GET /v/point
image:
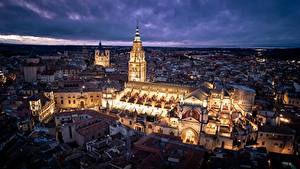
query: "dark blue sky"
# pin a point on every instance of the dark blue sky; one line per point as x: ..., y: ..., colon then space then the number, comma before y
x: 162, y: 22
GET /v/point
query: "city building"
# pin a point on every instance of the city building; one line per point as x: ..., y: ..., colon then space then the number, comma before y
x: 195, y: 114
x: 159, y: 151
x: 31, y: 68
x: 277, y: 139
x: 42, y: 106
x: 102, y: 57
x: 82, y: 126
x: 291, y: 98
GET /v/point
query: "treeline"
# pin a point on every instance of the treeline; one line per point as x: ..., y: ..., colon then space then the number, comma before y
x: 282, y: 54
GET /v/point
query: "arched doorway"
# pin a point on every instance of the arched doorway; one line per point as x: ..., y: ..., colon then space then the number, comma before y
x: 189, y: 136
x: 81, y: 104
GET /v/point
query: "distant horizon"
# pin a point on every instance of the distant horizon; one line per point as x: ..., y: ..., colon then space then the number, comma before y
x: 42, y: 41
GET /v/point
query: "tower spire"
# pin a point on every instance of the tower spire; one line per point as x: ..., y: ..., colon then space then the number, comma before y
x: 137, y: 37
x: 137, y: 62
x: 100, y: 45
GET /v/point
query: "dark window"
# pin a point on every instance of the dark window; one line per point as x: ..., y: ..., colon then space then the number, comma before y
x: 70, y: 131
x: 62, y: 102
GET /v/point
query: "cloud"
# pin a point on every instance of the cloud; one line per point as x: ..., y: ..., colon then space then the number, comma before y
x: 17, y: 39
x: 36, y: 9
x: 190, y: 22
x: 1, y: 5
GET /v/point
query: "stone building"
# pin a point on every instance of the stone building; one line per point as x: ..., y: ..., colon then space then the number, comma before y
x: 78, y: 99
x: 188, y: 112
x: 42, y: 106
x: 277, y: 139
x: 102, y: 57
x: 137, y: 62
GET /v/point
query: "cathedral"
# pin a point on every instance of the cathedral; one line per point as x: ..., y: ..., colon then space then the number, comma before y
x: 102, y: 57
x: 198, y: 115
x: 203, y: 115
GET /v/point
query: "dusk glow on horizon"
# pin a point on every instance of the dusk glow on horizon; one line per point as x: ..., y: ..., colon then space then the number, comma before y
x: 163, y: 23
x: 34, y: 40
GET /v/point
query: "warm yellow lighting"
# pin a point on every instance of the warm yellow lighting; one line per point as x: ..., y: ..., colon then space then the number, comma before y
x: 285, y: 120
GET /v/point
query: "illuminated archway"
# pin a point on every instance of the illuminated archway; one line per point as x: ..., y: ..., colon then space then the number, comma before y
x: 192, y: 113
x: 189, y: 136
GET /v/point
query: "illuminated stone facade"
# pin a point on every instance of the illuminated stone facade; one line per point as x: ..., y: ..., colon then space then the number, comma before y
x: 42, y: 106
x: 137, y: 62
x: 78, y: 99
x: 102, y: 57
x: 149, y: 98
x: 192, y: 113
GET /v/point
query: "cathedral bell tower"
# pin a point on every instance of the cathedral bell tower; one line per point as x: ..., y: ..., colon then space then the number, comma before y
x: 137, y: 62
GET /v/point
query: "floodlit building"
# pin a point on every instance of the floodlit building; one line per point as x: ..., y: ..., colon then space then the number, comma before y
x: 137, y: 62
x: 77, y: 99
x: 102, y: 57
x: 187, y: 112
x: 42, y: 106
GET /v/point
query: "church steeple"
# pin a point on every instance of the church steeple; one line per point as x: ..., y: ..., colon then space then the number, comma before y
x: 137, y: 62
x: 100, y: 46
x: 137, y: 37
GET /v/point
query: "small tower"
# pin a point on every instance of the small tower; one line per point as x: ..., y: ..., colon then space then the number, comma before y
x: 102, y: 57
x: 137, y: 62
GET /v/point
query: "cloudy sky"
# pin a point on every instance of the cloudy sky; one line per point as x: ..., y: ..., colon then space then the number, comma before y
x: 163, y: 22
